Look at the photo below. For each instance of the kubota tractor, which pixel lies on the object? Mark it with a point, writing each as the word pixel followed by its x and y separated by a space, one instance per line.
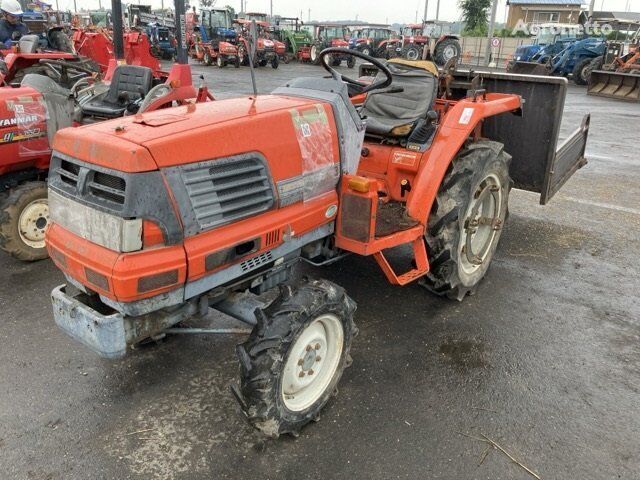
pixel 417 37
pixel 157 218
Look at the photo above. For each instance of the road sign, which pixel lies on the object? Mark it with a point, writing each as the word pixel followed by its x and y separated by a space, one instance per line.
pixel 495 42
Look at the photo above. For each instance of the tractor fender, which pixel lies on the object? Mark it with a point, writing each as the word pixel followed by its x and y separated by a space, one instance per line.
pixel 457 127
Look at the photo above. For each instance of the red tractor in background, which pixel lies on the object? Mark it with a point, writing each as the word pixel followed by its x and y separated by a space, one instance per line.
pixel 379 42
pixel 97 44
pixel 62 92
pixel 268 51
pixel 212 39
pixel 329 35
pixel 415 38
pixel 158 218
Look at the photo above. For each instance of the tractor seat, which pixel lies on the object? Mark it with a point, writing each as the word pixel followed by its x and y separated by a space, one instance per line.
pixel 395 114
pixel 129 84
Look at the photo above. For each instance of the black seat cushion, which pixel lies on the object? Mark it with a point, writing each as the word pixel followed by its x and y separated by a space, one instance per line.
pixel 386 112
pixel 129 83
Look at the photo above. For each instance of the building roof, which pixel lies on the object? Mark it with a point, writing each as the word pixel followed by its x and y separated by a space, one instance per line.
pixel 546 2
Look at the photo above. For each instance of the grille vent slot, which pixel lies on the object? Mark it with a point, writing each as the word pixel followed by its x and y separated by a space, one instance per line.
pixel 108 187
pixel 69 173
pixel 229 191
pixel 256 262
pixel 272 238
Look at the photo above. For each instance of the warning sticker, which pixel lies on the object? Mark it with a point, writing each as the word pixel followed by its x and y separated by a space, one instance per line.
pixel 404 158
pixel 466 116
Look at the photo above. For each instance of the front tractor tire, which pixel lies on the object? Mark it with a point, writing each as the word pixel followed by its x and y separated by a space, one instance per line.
pixel 467 218
pixel 412 52
pixel 206 58
pixel 582 72
pixel 275 62
pixel 292 362
pixel 221 61
pixel 24 216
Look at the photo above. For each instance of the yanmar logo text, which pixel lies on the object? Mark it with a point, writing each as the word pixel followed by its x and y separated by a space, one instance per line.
pixel 22 120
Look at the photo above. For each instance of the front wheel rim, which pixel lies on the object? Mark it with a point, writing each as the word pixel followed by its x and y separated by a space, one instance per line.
pixel 482 225
pixel 312 363
pixel 33 222
pixel 412 54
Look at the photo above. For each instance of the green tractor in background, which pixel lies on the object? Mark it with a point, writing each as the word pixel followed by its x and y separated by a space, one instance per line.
pixel 298 41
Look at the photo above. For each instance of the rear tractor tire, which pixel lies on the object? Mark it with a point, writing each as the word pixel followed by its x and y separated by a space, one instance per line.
pixel 292 362
pixel 467 219
pixel 446 50
pixel 24 216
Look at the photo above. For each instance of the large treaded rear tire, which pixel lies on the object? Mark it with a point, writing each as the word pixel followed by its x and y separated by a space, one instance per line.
pixel 446 234
pixel 444 47
pixel 264 356
pixel 12 206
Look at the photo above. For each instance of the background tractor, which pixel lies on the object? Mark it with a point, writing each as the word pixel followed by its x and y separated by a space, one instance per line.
pixel 550 40
pixel 297 40
pixel 376 42
pixel 617 73
pixel 440 45
pixel 268 51
pixel 148 239
pixel 214 40
pixel 329 35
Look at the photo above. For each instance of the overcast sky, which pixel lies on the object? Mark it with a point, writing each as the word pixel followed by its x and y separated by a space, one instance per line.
pixel 375 11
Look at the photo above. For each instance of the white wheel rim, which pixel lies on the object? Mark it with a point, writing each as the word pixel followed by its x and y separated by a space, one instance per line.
pixel 219 60
pixel 312 363
pixel 449 53
pixel 412 54
pixel 314 53
pixel 486 204
pixel 33 222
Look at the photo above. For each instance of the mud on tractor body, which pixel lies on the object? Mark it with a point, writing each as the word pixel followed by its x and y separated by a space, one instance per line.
pixel 154 223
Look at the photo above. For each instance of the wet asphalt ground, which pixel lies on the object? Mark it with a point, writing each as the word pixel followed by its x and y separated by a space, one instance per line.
pixel 544 360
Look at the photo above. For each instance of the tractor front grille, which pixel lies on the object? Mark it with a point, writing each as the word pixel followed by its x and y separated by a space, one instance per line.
pixel 108 187
pixel 225 191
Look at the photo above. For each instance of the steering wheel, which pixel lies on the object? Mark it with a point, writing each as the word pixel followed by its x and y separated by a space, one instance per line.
pixel 361 87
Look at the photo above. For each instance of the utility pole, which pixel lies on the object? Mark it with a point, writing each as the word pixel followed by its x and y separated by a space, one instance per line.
pixel 309 17
pixel 591 7
pixel 271 8
pixel 438 10
pixel 426 9
pixel 75 7
pixel 492 29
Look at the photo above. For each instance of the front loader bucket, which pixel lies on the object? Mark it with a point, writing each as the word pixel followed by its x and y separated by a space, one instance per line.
pixel 624 86
pixel 529 68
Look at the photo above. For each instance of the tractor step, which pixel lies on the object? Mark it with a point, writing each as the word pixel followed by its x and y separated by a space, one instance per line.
pixel 421 262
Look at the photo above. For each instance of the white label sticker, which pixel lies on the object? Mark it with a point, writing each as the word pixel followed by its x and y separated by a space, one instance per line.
pixel 465 118
pixel 306 129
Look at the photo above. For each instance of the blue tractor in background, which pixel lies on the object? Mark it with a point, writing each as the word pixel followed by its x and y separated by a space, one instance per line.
pixel 550 40
pixel 162 41
pixel 558 50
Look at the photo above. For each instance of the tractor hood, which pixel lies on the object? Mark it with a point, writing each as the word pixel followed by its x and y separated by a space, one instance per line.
pixel 525 52
pixel 191 133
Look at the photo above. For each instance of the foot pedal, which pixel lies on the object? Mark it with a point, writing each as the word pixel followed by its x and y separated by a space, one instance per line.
pixel 422 265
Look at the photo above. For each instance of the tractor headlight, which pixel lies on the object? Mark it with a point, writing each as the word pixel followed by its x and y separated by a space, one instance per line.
pixel 112 232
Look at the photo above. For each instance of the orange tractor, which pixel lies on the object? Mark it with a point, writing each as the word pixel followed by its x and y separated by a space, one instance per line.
pixel 159 217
